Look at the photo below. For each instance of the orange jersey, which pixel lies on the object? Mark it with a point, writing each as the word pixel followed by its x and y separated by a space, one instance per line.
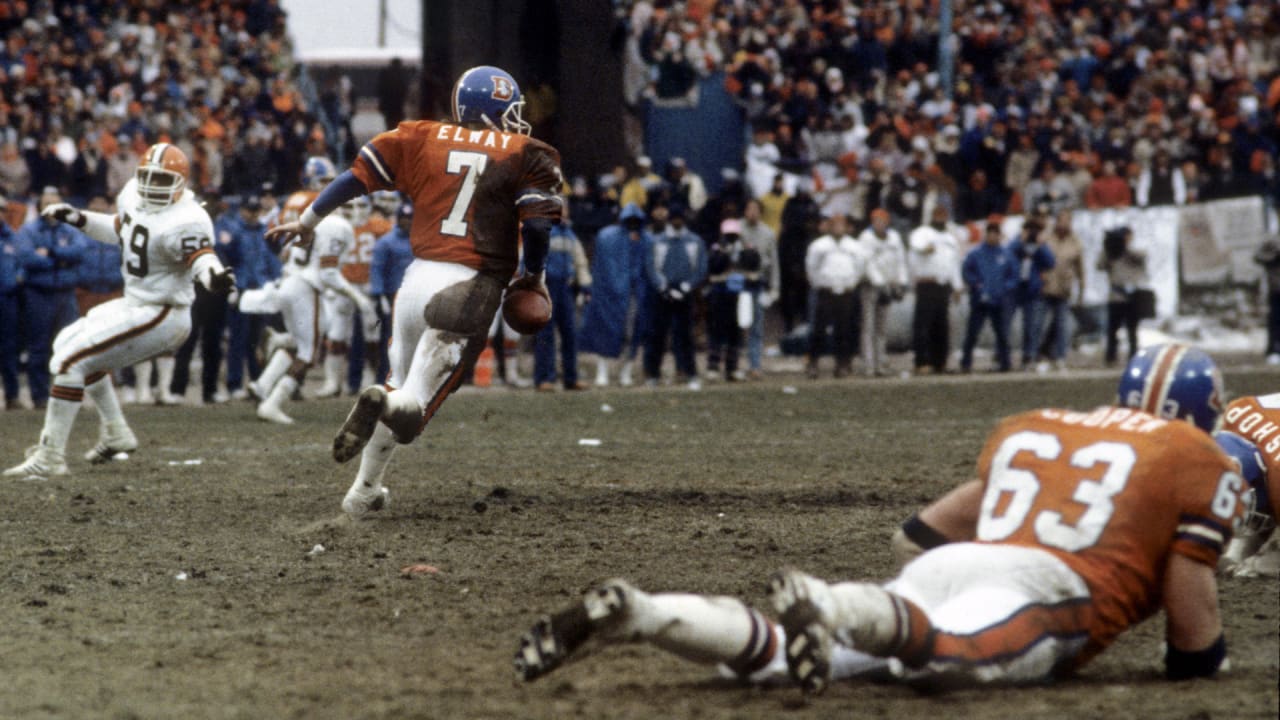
pixel 355 263
pixel 1257 419
pixel 1111 493
pixel 470 189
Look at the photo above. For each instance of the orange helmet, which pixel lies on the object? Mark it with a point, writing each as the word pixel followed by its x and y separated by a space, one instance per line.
pixel 162 176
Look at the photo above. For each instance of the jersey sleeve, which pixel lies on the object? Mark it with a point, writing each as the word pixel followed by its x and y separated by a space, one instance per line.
pixel 540 183
pixel 191 241
pixel 381 159
pixel 1211 506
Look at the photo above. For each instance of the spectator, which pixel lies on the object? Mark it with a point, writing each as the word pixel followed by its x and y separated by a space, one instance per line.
pixel 991 274
pixel 1021 166
pixel 883 283
pixel 1108 190
pixel 978 200
pixel 99 278
pixel 1034 260
pixel 15 176
pixel 772 205
pixel 51 254
pixel 799 225
pixel 242 247
pixel 617 315
pixel 88 174
pixel 733 274
pixel 1049 190
pixel 834 265
pixel 566 276
pixel 688 190
pixel 759 237
pixel 636 189
pixel 905 197
pixel 11 277
pixel 676 265
pixel 1268 256
pixel 392 254
pixel 934 268
pixel 120 166
pixel 1161 183
pixel 1126 269
pixel 1063 286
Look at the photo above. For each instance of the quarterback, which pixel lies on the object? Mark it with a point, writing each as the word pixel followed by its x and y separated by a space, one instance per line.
pixel 1080 525
pixel 478 185
pixel 309 271
pixel 167 240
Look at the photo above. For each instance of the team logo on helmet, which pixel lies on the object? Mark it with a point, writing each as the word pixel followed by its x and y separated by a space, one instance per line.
pixel 502 88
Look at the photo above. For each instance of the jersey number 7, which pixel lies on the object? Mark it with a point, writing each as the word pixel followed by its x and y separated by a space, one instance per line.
pixel 473 164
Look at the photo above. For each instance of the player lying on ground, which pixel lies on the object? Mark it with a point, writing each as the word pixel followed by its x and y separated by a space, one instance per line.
pixel 477 186
pixel 1085 524
pixel 167 240
pixel 310 270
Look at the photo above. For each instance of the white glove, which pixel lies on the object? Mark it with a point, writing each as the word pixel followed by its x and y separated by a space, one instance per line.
pixel 384 304
pixel 64 213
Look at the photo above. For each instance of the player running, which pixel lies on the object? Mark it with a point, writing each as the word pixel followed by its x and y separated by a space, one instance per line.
pixel 1081 525
pixel 477 185
pixel 167 240
pixel 310 270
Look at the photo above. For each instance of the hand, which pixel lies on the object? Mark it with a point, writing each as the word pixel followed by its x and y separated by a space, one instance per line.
pixel 222 282
pixel 42 252
pixel 64 213
pixel 533 282
pixel 284 232
pixel 674 294
pixel 384 304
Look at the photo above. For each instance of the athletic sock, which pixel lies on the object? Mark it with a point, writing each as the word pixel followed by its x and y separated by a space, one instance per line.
pixel 374 459
pixel 103 393
pixel 704 629
pixel 275 369
pixel 60 415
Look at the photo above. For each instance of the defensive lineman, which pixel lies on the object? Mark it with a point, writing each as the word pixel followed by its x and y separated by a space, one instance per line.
pixel 477 185
pixel 167 239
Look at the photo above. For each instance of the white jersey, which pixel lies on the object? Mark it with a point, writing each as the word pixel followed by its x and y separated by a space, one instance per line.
pixel 159 249
pixel 318 265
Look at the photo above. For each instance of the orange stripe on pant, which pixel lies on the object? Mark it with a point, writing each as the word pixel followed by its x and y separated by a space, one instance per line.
pixel 1015 635
pixel 114 340
pixel 70 394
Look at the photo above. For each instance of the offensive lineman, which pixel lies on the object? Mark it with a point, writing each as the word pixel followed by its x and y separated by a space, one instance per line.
pixel 1083 525
pixel 309 270
pixel 474 184
pixel 167 239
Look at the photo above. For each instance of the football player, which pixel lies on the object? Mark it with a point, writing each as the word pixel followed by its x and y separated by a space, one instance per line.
pixel 478 185
pixel 369 223
pixel 309 271
pixel 167 241
pixel 1080 525
pixel 1251 436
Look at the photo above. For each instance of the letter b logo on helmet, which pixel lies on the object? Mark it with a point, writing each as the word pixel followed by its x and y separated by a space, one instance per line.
pixel 502 88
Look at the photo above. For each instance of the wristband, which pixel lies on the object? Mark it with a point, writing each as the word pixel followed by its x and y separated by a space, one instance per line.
pixel 922 534
pixel 1184 665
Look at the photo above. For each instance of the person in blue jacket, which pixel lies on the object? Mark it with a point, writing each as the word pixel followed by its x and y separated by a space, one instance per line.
pixel 1034 259
pixel 566 274
pixel 99 278
pixel 242 248
pixel 991 274
pixel 619 295
pixel 11 277
pixel 676 266
pixel 51 255
pixel 392 253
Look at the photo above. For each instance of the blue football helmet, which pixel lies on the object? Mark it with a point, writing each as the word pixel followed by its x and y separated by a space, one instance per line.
pixel 1254 470
pixel 1176 382
pixel 489 96
pixel 317 172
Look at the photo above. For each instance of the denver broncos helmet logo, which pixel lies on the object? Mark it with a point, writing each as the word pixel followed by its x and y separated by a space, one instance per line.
pixel 502 89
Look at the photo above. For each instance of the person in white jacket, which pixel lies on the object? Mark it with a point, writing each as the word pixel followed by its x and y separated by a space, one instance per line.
pixel 934 262
pixel 884 281
pixel 834 264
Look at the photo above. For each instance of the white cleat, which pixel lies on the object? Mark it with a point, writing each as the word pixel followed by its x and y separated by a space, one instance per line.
pixel 805 609
pixel 273 414
pixel 114 444
pixel 364 500
pixel 42 463
pixel 554 638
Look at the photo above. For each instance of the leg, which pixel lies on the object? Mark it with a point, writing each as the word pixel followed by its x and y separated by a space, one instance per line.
pixel 703 629
pixel 9 347
pixel 682 340
pixel 215 325
pixel 300 308
pixel 656 345
pixel 237 348
pixel 842 321
pixel 870 301
pixel 977 315
pixel 565 322
pixel 921 318
pixel 1131 325
pixel 755 341
pixel 182 358
pixel 880 337
pixel 40 309
pixel 1000 323
pixel 337 314
pixel 1115 314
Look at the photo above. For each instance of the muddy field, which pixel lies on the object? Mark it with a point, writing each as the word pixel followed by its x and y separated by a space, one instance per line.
pixel 183 583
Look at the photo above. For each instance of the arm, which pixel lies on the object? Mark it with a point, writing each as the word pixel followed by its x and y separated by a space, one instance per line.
pixel 951 518
pixel 207 270
pixel 1193 630
pixel 580 266
pixel 99 226
pixel 377 268
pixel 536 233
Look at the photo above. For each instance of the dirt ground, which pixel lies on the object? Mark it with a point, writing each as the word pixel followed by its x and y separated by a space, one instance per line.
pixel 183 583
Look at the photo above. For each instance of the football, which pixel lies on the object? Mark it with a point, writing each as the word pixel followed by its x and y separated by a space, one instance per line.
pixel 526 311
